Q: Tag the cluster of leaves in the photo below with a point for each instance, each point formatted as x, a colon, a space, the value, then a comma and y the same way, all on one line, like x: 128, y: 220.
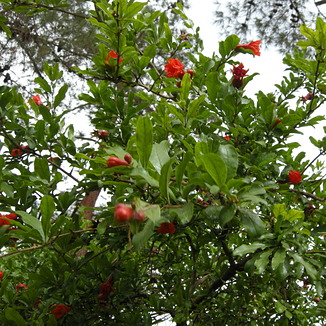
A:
x: 248, y: 246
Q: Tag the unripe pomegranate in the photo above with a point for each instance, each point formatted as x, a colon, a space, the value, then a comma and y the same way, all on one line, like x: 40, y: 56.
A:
x: 123, y: 213
x: 128, y: 158
x: 191, y: 73
x: 140, y: 216
x: 114, y: 161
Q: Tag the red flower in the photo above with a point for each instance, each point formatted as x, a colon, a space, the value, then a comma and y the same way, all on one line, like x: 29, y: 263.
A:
x: 227, y: 137
x: 1, y: 275
x: 37, y: 100
x: 11, y: 216
x: 4, y: 222
x: 60, y: 310
x: 165, y: 228
x: 21, y: 287
x: 112, y: 54
x: 294, y: 177
x: 238, y: 74
x: 36, y: 303
x: 105, y: 289
x: 174, y: 68
x: 253, y: 46
x: 306, y: 98
x: 16, y: 152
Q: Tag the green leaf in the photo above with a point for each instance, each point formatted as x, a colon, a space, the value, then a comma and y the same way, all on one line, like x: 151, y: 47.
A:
x: 185, y: 213
x: 165, y: 179
x: 153, y: 212
x: 159, y: 155
x: 43, y: 83
x: 133, y: 9
x: 46, y: 114
x: 47, y: 208
x: 185, y: 87
x: 145, y: 175
x: 278, y: 258
x: 215, y: 167
x: 60, y: 96
x: 225, y: 47
x: 141, y: 237
x: 294, y: 214
x: 195, y: 105
x: 279, y: 307
x: 311, y: 270
x: 226, y: 215
x: 251, y: 222
x: 13, y: 315
x: 144, y: 139
x: 230, y: 157
x: 247, y: 249
x: 180, y: 170
x: 41, y: 167
x: 279, y: 209
x: 33, y: 222
x: 263, y: 261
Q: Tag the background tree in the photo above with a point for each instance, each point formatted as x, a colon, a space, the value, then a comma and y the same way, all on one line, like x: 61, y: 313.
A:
x: 275, y: 22
x: 209, y: 215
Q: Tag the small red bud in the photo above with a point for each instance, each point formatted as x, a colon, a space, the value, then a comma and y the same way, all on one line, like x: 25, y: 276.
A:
x: 128, y: 158
x: 191, y: 73
x: 114, y: 161
x: 276, y: 122
x: 316, y: 299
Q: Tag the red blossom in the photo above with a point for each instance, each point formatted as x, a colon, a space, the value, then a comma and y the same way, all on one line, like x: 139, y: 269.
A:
x: 276, y: 122
x: 227, y: 137
x: 21, y: 287
x: 306, y: 98
x: 1, y: 275
x: 238, y: 74
x: 253, y: 46
x: 60, y: 310
x: 105, y: 289
x: 16, y: 152
x: 294, y: 177
x: 166, y: 227
x: 174, y: 68
x: 112, y: 54
x: 37, y: 100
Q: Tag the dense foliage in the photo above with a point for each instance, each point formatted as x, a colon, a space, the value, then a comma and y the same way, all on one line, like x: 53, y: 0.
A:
x: 190, y: 201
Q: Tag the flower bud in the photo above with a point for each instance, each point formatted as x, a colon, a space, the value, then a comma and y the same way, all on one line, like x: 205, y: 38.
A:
x: 128, y: 158
x: 123, y: 213
x: 114, y: 161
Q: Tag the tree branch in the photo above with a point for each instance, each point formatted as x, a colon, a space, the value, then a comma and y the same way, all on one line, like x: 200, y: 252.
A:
x: 230, y: 273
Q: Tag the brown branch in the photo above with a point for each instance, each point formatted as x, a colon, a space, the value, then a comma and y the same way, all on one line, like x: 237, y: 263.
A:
x: 319, y: 3
x: 307, y: 194
x: 230, y: 273
x: 53, y: 239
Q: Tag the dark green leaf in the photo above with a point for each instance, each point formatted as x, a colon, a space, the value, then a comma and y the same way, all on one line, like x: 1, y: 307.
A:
x: 144, y: 139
